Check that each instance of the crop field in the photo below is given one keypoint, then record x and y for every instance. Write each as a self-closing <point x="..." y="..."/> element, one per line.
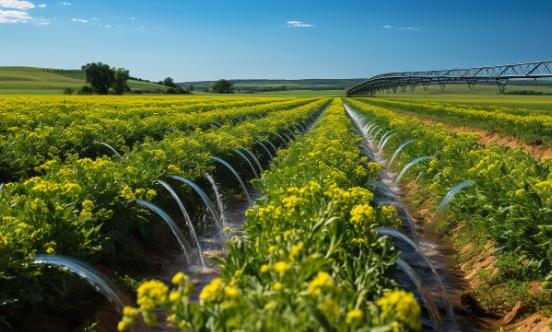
<point x="273" y="213"/>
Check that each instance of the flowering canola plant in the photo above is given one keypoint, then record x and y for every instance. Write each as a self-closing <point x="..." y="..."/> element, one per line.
<point x="309" y="257"/>
<point x="510" y="204"/>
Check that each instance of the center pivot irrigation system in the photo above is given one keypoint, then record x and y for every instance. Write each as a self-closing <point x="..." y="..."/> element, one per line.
<point x="500" y="74"/>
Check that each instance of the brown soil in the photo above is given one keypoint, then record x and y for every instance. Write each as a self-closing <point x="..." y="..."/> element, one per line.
<point x="538" y="151"/>
<point x="471" y="261"/>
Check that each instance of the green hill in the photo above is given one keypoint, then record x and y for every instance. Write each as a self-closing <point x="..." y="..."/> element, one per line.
<point x="265" y="85"/>
<point x="43" y="80"/>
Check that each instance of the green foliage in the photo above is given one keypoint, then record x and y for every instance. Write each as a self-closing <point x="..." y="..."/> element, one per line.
<point x="223" y="86"/>
<point x="74" y="205"/>
<point x="85" y="90"/>
<point x="100" y="76"/>
<point x="169" y="82"/>
<point x="120" y="78"/>
<point x="510" y="203"/>
<point x="309" y="259"/>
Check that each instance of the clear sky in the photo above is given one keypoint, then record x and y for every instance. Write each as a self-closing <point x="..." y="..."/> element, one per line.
<point x="211" y="39"/>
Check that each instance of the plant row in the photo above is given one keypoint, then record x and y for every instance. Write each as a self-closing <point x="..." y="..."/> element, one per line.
<point x="533" y="128"/>
<point x="23" y="150"/>
<point x="80" y="207"/>
<point x="510" y="205"/>
<point x="308" y="259"/>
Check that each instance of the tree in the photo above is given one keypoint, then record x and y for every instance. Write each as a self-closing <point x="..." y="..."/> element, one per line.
<point x="120" y="78"/>
<point x="191" y="88"/>
<point x="85" y="90"/>
<point x="100" y="76"/>
<point x="169" y="82"/>
<point x="223" y="86"/>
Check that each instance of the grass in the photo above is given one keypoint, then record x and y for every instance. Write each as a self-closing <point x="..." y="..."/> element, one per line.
<point x="481" y="94"/>
<point x="32" y="80"/>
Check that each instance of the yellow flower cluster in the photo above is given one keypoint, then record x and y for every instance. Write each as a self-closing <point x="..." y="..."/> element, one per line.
<point x="212" y="291"/>
<point x="363" y="214"/>
<point x="401" y="306"/>
<point x="320" y="281"/>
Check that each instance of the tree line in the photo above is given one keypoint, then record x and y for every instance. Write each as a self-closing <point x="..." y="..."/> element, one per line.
<point x="103" y="79"/>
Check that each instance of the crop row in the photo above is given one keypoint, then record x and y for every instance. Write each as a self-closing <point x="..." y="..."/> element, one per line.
<point x="308" y="259"/>
<point x="31" y="112"/>
<point x="521" y="107"/>
<point x="80" y="206"/>
<point x="22" y="150"/>
<point x="532" y="128"/>
<point x="509" y="205"/>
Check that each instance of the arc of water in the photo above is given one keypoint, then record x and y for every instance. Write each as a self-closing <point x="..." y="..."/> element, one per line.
<point x="252" y="155"/>
<point x="280" y="136"/>
<point x="382" y="146"/>
<point x="204" y="198"/>
<point x="112" y="149"/>
<point x="401" y="236"/>
<point x="424" y="292"/>
<point x="450" y="195"/>
<point x="218" y="196"/>
<point x="271" y="145"/>
<point x="376" y="133"/>
<point x="287" y="137"/>
<point x="387" y="133"/>
<point x="1" y="186"/>
<point x="239" y="153"/>
<point x="170" y="222"/>
<point x="372" y="130"/>
<point x="187" y="218"/>
<point x="398" y="151"/>
<point x="236" y="175"/>
<point x="410" y="164"/>
<point x="95" y="278"/>
<point x="267" y="150"/>
<point x="366" y="128"/>
<point x="291" y="132"/>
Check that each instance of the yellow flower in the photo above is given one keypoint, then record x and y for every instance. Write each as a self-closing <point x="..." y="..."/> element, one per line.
<point x="264" y="268"/>
<point x="87" y="204"/>
<point x="127" y="193"/>
<point x="152" y="294"/>
<point x="172" y="168"/>
<point x="179" y="279"/>
<point x="150" y="194"/>
<point x="3" y="241"/>
<point x="211" y="291"/>
<point x="130" y="312"/>
<point x="272" y="248"/>
<point x="281" y="267"/>
<point x="231" y="292"/>
<point x="402" y="306"/>
<point x="296" y="249"/>
<point x="278" y="286"/>
<point x="71" y="188"/>
<point x="175" y="295"/>
<point x="290" y="202"/>
<point x="125" y="324"/>
<point x="520" y="193"/>
<point x="50" y="250"/>
<point x="362" y="214"/>
<point x="354" y="316"/>
<point x="322" y="279"/>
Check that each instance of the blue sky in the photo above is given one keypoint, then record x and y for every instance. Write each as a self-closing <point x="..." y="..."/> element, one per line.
<point x="211" y="39"/>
